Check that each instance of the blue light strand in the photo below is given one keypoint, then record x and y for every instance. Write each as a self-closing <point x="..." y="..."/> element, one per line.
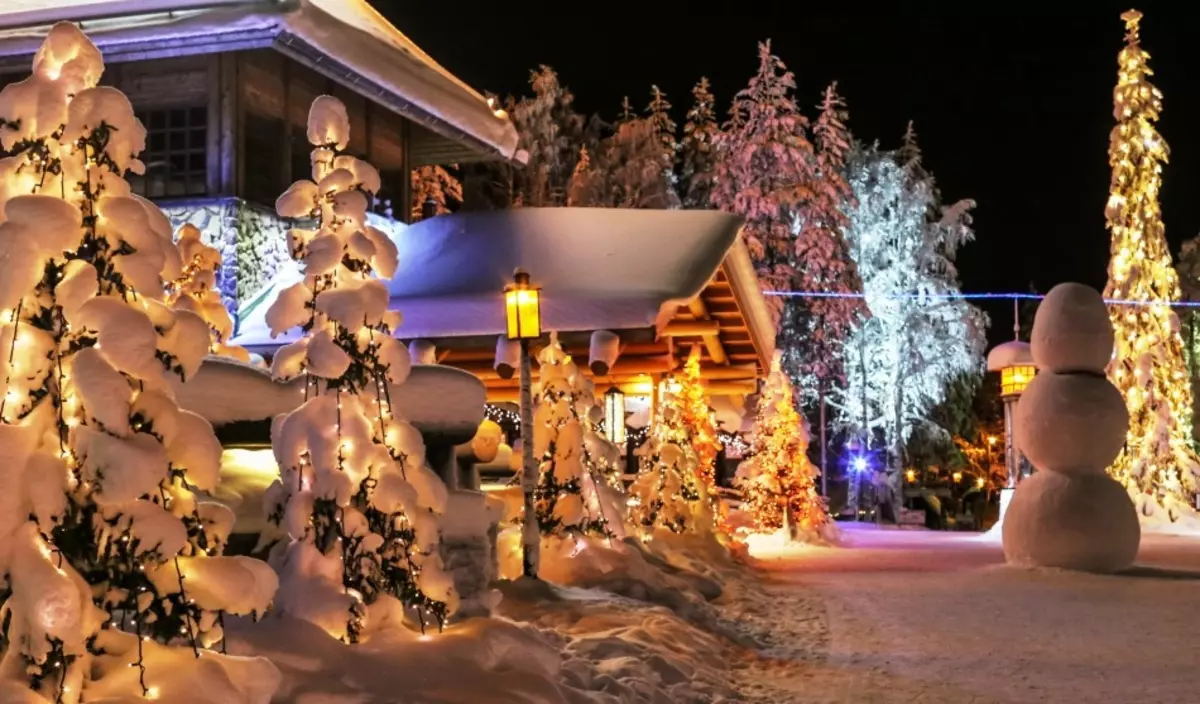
<point x="969" y="296"/>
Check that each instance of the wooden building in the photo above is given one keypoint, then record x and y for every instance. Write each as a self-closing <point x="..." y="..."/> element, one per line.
<point x="628" y="292"/>
<point x="223" y="88"/>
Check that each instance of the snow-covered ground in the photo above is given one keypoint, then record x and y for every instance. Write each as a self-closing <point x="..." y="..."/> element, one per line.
<point x="919" y="616"/>
<point x="889" y="616"/>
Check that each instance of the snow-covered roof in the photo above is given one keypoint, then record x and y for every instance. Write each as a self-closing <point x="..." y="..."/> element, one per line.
<point x="599" y="268"/>
<point x="1009" y="354"/>
<point x="346" y="40"/>
<point x="227" y="391"/>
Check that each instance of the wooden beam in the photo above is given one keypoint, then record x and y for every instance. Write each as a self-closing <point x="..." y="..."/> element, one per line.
<point x="712" y="343"/>
<point x="696" y="328"/>
<point x="511" y="394"/>
<point x="625" y="367"/>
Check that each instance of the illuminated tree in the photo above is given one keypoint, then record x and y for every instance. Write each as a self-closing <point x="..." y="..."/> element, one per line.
<point x="668" y="492"/>
<point x="659" y="114"/>
<point x="356" y="499"/>
<point x="571" y="461"/>
<point x="1158" y="465"/>
<point x="112" y="579"/>
<point x="697" y="417"/>
<point x="195" y="290"/>
<point x="778" y="478"/>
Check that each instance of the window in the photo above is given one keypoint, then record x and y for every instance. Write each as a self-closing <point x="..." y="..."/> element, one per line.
<point x="176" y="156"/>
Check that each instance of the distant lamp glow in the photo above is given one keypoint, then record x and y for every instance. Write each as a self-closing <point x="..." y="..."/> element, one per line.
<point x="910" y="475"/>
<point x="522" y="308"/>
<point x="979" y="482"/>
<point x="614" y="415"/>
<point x="860" y="464"/>
<point x="957" y="477"/>
<point x="992" y="439"/>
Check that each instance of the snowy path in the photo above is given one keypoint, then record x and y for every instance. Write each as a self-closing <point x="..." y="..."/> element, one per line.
<point x="918" y="616"/>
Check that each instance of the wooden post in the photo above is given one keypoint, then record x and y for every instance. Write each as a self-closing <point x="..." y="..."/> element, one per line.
<point x="531" y="535"/>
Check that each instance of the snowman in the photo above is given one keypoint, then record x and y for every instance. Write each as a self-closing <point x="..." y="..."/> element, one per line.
<point x="1071" y="424"/>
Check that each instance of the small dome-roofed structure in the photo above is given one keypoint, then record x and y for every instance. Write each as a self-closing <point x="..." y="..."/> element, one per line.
<point x="1010" y="354"/>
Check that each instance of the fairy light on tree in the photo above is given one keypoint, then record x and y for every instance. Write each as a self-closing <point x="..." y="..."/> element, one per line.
<point x="779" y="480"/>
<point x="111" y="556"/>
<point x="697" y="417"/>
<point x="355" y="496"/>
<point x="668" y="492"/>
<point x="1158" y="465"/>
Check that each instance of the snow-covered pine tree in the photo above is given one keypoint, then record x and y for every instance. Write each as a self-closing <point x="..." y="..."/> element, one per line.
<point x="764" y="163"/>
<point x="356" y="499"/>
<point x="434" y="184"/>
<point x="195" y="290"/>
<point x="815" y="330"/>
<point x="113" y="585"/>
<point x="627" y="112"/>
<point x="658" y="111"/>
<point x="568" y="495"/>
<point x="697" y="156"/>
<point x="778" y="479"/>
<point x="551" y="132"/>
<point x="917" y="340"/>
<point x="1158" y="465"/>
<point x="668" y="492"/>
<point x="625" y="172"/>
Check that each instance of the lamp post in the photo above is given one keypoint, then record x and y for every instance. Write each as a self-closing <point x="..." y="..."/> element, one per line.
<point x="1014" y="361"/>
<point x="523" y="318"/>
<point x="614" y="415"/>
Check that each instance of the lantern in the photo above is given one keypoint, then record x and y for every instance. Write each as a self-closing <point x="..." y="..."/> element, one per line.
<point x="614" y="415"/>
<point x="522" y="309"/>
<point x="1014" y="379"/>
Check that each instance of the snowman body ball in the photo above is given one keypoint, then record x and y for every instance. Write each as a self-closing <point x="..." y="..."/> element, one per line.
<point x="1071" y="424"/>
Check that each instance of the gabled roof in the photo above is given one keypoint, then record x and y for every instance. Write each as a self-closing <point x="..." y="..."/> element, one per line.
<point x="346" y="40"/>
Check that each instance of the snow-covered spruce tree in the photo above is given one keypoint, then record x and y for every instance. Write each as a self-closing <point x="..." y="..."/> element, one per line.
<point x="764" y="164"/>
<point x="1158" y="465"/>
<point x="195" y="290"/>
<point x="112" y="587"/>
<point x="568" y="499"/>
<point x="627" y="112"/>
<point x="551" y="132"/>
<point x="626" y="171"/>
<point x="901" y="359"/>
<point x="659" y="114"/>
<point x="778" y="479"/>
<point x="668" y="492"/>
<point x="697" y="155"/>
<point x="434" y="184"/>
<point x="815" y="330"/>
<point x="357" y="502"/>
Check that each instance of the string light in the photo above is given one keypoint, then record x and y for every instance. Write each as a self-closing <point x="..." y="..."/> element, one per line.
<point x="974" y="296"/>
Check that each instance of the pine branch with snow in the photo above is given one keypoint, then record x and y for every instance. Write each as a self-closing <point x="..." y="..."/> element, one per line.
<point x="668" y="492"/>
<point x="195" y="290"/>
<point x="659" y="114"/>
<point x="356" y="499"/>
<point x="108" y="546"/>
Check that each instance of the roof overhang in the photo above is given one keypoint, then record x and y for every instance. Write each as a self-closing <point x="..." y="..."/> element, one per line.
<point x="345" y="40"/>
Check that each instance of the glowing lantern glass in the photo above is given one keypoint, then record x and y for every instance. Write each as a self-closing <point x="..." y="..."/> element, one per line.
<point x="1013" y="380"/>
<point x="614" y="415"/>
<point x="522" y="309"/>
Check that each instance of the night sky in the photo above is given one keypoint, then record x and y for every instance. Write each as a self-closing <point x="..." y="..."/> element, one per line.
<point x="1012" y="105"/>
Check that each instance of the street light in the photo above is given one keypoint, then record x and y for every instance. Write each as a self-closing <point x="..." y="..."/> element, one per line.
<point x="614" y="415"/>
<point x="1014" y="361"/>
<point x="523" y="322"/>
